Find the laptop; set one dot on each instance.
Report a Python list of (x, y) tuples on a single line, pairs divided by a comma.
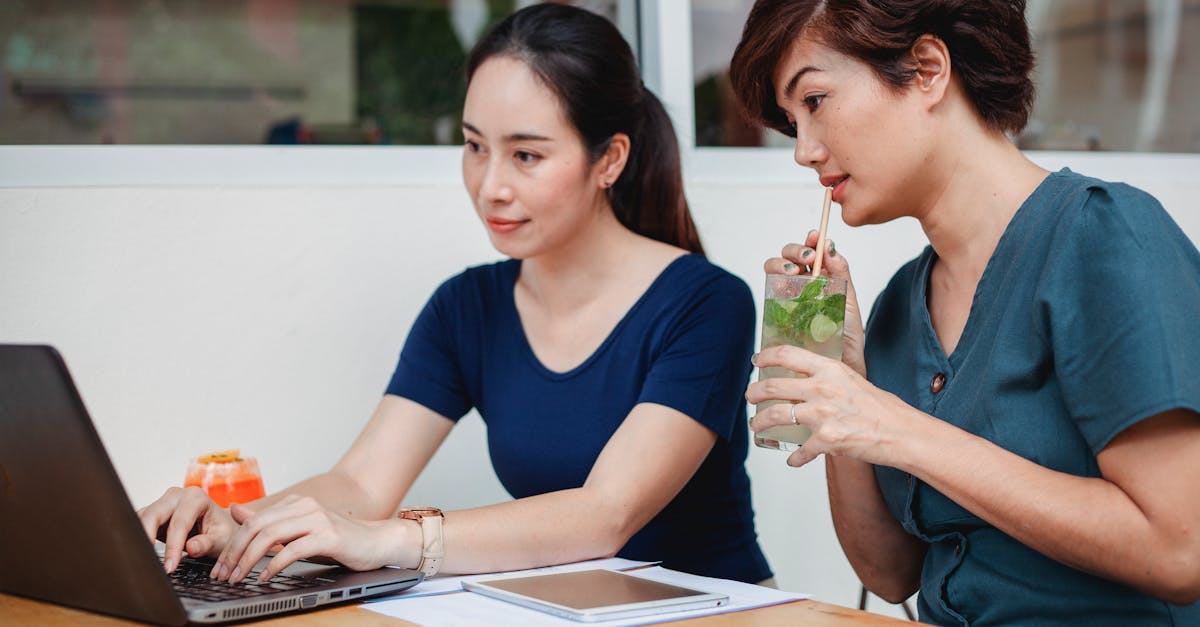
[(69, 535)]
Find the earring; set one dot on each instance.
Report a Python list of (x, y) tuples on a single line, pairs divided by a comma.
[(607, 184)]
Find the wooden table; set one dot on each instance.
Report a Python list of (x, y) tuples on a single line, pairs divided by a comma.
[(16, 610)]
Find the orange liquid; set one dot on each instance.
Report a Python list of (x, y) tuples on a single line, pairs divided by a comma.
[(242, 491), (227, 483)]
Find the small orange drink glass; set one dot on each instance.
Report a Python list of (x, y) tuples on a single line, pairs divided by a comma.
[(226, 477)]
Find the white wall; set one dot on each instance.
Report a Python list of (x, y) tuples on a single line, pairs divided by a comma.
[(197, 317)]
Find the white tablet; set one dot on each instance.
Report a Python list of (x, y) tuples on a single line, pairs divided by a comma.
[(595, 595)]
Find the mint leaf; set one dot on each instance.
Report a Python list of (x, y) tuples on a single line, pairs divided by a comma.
[(834, 307), (812, 291), (793, 319), (775, 315)]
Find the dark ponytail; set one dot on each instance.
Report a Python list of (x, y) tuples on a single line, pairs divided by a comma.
[(585, 61)]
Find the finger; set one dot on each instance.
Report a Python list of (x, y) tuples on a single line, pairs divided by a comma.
[(774, 416), (232, 552), (810, 239), (240, 513), (282, 532), (251, 525), (187, 515), (779, 265), (835, 262), (156, 514), (298, 549), (800, 254), (793, 358), (200, 544), (802, 456)]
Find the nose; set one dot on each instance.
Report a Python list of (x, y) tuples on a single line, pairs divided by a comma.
[(496, 186), (810, 152)]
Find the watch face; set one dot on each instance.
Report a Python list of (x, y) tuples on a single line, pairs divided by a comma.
[(415, 513)]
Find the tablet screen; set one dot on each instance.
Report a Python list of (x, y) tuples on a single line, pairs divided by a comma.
[(595, 593)]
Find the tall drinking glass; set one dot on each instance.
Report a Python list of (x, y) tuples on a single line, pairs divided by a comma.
[(802, 311)]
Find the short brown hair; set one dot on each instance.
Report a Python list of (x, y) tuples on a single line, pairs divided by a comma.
[(988, 42)]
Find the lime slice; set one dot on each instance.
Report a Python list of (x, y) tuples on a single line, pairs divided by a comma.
[(221, 457), (789, 305), (822, 328)]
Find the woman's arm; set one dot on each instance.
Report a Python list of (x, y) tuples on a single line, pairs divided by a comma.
[(886, 558), (368, 482), (634, 477), (371, 479), (1139, 524)]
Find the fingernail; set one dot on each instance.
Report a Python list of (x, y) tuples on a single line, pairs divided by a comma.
[(236, 576), (170, 565), (754, 358), (789, 266), (807, 253), (832, 249)]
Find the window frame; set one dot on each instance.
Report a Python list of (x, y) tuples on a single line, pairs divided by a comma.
[(664, 44)]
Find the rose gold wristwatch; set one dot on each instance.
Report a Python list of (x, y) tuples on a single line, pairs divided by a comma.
[(432, 548)]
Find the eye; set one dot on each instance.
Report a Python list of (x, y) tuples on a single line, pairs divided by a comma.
[(813, 102), (526, 157), (473, 146)]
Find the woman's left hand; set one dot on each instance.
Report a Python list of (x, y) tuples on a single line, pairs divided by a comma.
[(306, 529), (848, 415)]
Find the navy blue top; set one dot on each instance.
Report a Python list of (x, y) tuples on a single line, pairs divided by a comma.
[(1083, 324), (685, 344)]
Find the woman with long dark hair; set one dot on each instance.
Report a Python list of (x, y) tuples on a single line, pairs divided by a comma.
[(607, 357), (1016, 433)]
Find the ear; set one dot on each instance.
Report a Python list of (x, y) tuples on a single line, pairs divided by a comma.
[(932, 60), (612, 162)]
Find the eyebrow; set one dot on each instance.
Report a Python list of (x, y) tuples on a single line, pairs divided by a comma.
[(520, 137), (791, 84)]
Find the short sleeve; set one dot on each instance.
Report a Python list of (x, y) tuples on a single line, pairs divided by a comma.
[(704, 366), (1122, 304), (429, 371)]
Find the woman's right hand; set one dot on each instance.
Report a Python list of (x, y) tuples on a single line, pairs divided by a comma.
[(181, 512), (798, 259)]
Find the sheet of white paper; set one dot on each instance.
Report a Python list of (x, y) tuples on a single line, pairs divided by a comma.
[(441, 584), (467, 608)]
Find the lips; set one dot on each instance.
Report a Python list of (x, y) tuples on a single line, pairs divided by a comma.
[(838, 183), (504, 225)]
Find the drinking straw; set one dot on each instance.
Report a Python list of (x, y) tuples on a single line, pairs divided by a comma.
[(816, 268)]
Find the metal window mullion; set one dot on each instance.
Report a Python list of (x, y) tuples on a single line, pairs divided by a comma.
[(665, 47)]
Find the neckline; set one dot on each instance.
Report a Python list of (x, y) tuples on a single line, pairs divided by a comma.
[(967, 340), (524, 345)]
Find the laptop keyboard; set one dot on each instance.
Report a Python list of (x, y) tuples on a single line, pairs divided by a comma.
[(191, 580)]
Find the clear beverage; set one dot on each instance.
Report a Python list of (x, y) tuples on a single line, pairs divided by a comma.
[(803, 311)]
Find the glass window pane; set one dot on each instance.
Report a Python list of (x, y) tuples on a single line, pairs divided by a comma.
[(1115, 75), (1111, 75), (240, 71)]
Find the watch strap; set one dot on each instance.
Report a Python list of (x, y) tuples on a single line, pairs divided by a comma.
[(433, 549)]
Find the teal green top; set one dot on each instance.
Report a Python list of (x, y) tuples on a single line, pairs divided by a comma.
[(1083, 324)]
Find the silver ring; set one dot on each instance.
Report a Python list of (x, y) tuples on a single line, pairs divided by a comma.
[(794, 414)]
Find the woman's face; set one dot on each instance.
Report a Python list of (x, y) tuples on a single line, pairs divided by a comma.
[(524, 163), (862, 138)]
